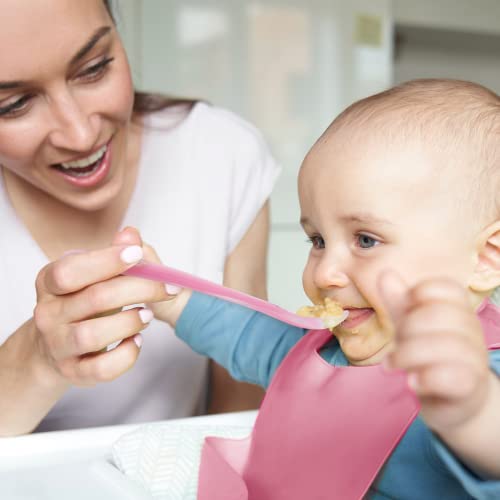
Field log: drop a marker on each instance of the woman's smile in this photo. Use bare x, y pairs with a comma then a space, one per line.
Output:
89, 171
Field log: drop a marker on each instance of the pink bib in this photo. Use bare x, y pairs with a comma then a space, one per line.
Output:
322, 432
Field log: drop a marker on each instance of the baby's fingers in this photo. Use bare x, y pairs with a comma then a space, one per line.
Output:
445, 381
439, 318
419, 351
150, 255
395, 295
439, 290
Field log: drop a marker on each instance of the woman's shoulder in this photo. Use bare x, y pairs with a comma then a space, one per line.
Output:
222, 119
217, 126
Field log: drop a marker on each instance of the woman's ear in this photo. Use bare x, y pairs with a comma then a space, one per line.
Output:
486, 275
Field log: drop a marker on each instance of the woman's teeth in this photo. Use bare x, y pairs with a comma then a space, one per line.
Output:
83, 166
85, 162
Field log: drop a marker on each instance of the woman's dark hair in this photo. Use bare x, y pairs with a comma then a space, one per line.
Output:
146, 102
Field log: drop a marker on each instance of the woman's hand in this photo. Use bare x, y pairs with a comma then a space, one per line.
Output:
78, 312
77, 315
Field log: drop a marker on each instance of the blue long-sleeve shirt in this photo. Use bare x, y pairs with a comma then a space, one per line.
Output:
251, 346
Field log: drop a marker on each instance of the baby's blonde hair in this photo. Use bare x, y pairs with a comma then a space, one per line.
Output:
458, 118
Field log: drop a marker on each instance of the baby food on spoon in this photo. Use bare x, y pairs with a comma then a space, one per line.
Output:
328, 310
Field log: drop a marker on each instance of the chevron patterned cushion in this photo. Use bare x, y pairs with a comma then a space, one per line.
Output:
165, 457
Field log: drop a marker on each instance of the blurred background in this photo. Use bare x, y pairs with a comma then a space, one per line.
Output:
289, 66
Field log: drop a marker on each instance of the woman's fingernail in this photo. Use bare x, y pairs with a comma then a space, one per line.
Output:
132, 254
172, 289
146, 315
138, 339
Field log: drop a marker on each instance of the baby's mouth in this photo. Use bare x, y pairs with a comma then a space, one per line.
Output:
357, 315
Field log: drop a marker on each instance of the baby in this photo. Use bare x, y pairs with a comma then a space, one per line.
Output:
400, 200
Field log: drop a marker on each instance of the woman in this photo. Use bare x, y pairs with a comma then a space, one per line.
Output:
81, 156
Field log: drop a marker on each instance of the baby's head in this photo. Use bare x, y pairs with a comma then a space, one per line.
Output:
409, 180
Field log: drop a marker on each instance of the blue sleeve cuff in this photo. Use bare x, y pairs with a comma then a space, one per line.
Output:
478, 487
250, 345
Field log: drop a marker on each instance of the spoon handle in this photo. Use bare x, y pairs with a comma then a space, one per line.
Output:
156, 272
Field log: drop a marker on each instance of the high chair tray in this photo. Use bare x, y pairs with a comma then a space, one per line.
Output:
77, 464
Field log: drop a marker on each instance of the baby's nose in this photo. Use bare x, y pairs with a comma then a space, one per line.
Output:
329, 273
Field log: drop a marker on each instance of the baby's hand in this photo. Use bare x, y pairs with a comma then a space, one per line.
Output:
171, 309
439, 342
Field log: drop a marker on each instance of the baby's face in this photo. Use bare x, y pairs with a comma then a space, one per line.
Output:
368, 207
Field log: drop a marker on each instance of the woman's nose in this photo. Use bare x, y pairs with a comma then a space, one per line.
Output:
73, 127
330, 273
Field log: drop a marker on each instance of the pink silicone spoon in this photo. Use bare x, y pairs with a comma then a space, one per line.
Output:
156, 272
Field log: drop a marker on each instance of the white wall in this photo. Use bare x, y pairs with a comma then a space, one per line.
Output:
128, 17
449, 39
288, 66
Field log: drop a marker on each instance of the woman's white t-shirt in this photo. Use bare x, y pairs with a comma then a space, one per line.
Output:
201, 182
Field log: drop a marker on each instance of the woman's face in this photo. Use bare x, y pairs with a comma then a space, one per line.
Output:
66, 100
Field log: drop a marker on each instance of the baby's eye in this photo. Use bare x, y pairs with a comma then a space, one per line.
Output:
365, 241
317, 242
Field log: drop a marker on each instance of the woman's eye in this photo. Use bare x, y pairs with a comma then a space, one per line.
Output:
365, 241
16, 107
317, 242
95, 71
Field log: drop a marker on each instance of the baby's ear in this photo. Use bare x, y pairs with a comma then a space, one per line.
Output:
486, 275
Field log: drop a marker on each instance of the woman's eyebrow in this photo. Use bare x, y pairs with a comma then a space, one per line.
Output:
103, 31
11, 85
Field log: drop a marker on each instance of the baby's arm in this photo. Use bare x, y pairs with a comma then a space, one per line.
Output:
440, 343
479, 485
248, 344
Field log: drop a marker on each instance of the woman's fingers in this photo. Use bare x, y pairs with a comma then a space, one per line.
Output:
76, 317
80, 270
79, 310
106, 366
127, 236
95, 334
115, 293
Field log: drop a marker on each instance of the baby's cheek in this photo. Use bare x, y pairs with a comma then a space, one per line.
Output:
308, 284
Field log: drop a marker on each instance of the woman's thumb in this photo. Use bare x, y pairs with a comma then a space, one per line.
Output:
128, 236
